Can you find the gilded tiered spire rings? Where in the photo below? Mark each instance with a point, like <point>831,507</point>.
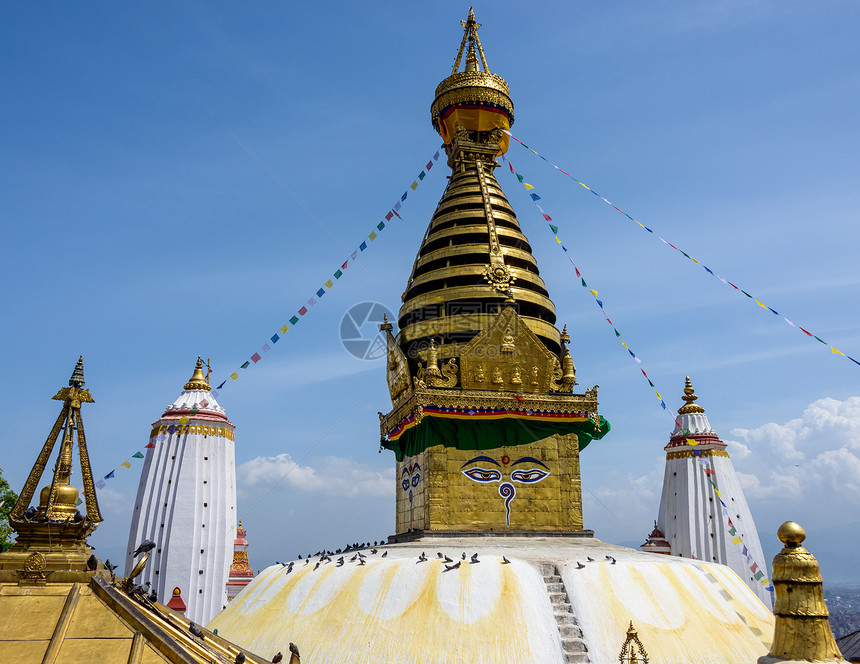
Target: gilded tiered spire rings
<point>690,398</point>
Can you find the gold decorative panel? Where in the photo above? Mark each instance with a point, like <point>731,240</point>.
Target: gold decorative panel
<point>533,487</point>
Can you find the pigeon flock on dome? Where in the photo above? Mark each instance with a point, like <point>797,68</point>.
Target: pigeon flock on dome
<point>490,559</point>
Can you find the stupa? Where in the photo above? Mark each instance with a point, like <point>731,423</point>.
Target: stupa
<point>186,501</point>
<point>58,601</point>
<point>491,560</point>
<point>703,512</point>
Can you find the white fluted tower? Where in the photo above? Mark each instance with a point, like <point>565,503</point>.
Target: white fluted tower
<point>691,516</point>
<point>186,501</point>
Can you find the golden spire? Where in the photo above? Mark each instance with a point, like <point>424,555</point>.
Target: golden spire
<point>198,380</point>
<point>690,397</point>
<point>632,652</point>
<point>58,501</point>
<point>802,627</point>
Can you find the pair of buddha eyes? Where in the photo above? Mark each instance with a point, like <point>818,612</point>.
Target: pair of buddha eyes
<point>489,475</point>
<point>411,476</point>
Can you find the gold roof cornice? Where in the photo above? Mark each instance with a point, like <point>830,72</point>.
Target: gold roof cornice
<point>484,399</point>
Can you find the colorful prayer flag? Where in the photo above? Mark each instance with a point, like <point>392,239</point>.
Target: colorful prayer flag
<point>295,319</point>
<point>109,476</point>
<point>221,385</point>
<point>528,186</point>
<point>363,246</point>
<point>380,225</point>
<point>422,175</point>
<point>125,464</point>
<point>137,455</point>
<point>414,185</point>
<point>372,236</point>
<point>338,274</point>
<point>320,293</point>
<point>302,312</point>
<point>397,206</point>
<point>389,215</point>
<point>100,484</point>
<point>535,197</point>
<point>150,446</point>
<point>328,284</point>
<point>234,375</point>
<point>405,194</point>
<point>256,357</point>
<point>245,365</point>
<point>274,338</point>
<point>554,229</point>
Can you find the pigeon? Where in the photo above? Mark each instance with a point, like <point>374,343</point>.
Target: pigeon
<point>464,555</point>
<point>613,561</point>
<point>447,559</point>
<point>454,566</point>
<point>373,552</point>
<point>316,566</point>
<point>385,554</point>
<point>352,560</point>
<point>30,512</point>
<point>439,554</point>
<point>109,566</point>
<point>277,658</point>
<point>505,561</point>
<point>146,545</point>
<point>339,562</point>
<point>608,557</point>
<point>361,561</point>
<point>294,649</point>
<point>300,556</point>
<point>474,559</point>
<point>195,630</point>
<point>579,565</point>
<point>152,597</point>
<point>92,562</point>
<point>422,558</point>
<point>240,658</point>
<point>280,563</point>
<point>589,559</point>
<point>307,560</point>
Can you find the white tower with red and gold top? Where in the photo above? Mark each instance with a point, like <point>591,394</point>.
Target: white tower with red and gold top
<point>698,482</point>
<point>240,569</point>
<point>186,501</point>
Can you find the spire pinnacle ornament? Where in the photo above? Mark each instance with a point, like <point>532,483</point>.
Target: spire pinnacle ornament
<point>690,398</point>
<point>198,380</point>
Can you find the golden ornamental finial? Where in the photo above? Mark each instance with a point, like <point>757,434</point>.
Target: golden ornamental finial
<point>690,397</point>
<point>58,500</point>
<point>801,630</point>
<point>198,380</point>
<point>632,652</point>
<point>385,324</point>
<point>470,33</point>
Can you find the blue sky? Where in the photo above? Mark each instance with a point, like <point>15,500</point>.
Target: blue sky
<point>139,231</point>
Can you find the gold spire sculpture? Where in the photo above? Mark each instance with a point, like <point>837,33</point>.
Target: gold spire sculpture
<point>802,630</point>
<point>478,363</point>
<point>57,525</point>
<point>632,652</point>
<point>690,405</point>
<point>198,381</point>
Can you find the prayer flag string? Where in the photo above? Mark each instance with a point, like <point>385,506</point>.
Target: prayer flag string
<point>833,349</point>
<point>594,292</point>
<point>332,279</point>
<point>759,572</point>
<point>293,320</point>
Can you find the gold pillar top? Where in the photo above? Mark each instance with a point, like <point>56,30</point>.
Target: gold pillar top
<point>802,627</point>
<point>198,380</point>
<point>690,397</point>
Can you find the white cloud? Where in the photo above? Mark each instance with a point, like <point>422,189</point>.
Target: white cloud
<point>335,476</point>
<point>811,456</point>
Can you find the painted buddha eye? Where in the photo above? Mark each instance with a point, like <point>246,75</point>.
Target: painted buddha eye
<point>531,476</point>
<point>405,484</point>
<point>415,479</point>
<point>483,475</point>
